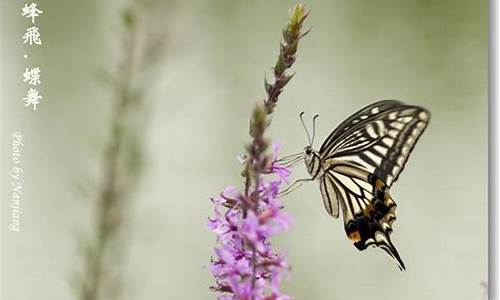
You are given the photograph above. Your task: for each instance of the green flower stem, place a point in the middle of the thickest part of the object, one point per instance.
(258, 160)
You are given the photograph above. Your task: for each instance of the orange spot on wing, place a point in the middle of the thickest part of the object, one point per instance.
(379, 184)
(369, 210)
(354, 236)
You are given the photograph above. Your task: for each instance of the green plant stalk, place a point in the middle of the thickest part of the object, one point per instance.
(109, 207)
(258, 159)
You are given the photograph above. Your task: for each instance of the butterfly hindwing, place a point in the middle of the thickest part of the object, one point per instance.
(367, 207)
(330, 196)
(362, 158)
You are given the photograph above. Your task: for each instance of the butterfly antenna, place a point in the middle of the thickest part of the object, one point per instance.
(314, 128)
(301, 116)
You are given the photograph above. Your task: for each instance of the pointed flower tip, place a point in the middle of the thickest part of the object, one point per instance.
(298, 13)
(297, 16)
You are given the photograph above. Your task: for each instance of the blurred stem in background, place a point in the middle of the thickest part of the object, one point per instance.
(110, 205)
(140, 45)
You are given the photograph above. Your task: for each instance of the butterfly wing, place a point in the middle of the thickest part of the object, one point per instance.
(367, 207)
(380, 137)
(363, 114)
(362, 158)
(329, 195)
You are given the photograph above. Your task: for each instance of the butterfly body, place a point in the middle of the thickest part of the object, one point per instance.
(358, 163)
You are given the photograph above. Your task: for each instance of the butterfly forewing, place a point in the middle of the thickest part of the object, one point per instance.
(361, 159)
(380, 143)
(356, 118)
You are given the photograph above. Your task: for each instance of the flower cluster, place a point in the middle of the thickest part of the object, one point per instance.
(245, 266)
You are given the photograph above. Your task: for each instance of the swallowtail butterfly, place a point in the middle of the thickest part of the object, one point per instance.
(357, 165)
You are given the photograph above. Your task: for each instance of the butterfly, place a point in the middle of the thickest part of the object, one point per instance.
(357, 165)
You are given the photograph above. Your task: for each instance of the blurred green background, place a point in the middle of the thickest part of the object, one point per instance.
(428, 53)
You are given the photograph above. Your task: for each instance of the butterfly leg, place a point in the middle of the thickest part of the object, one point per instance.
(291, 160)
(295, 185)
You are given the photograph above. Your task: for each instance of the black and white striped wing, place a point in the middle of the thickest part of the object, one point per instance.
(378, 138)
(330, 195)
(361, 115)
(367, 207)
(362, 160)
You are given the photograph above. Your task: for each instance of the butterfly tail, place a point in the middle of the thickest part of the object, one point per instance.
(389, 248)
(381, 240)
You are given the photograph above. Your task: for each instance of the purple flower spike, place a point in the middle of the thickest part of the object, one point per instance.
(245, 266)
(282, 172)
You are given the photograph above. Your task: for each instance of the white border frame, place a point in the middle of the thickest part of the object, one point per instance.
(493, 114)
